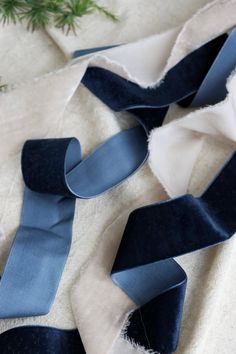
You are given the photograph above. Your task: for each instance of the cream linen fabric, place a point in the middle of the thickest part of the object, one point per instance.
(51, 106)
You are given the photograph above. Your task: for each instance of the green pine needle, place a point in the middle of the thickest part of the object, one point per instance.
(37, 15)
(106, 12)
(66, 21)
(10, 9)
(62, 14)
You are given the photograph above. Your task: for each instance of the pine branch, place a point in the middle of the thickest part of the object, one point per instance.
(62, 14)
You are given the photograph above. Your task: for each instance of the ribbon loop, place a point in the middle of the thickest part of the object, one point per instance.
(45, 163)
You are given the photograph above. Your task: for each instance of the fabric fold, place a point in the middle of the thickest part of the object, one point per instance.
(188, 135)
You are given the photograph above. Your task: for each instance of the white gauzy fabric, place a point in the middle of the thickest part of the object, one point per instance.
(181, 142)
(52, 106)
(137, 19)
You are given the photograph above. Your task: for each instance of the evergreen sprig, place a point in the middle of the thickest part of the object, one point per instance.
(41, 13)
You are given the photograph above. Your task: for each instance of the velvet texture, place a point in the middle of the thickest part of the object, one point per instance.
(150, 105)
(40, 340)
(158, 232)
(44, 165)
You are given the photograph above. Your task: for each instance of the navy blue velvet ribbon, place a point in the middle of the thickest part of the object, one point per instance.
(55, 175)
(144, 267)
(150, 105)
(40, 340)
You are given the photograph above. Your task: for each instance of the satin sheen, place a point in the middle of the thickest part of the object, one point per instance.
(55, 175)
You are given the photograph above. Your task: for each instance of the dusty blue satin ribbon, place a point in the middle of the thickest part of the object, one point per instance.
(55, 175)
(213, 88)
(82, 52)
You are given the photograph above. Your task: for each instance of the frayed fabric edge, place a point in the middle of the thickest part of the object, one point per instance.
(128, 343)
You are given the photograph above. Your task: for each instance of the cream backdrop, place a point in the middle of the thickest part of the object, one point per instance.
(210, 309)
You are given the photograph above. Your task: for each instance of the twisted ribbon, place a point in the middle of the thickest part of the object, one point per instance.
(55, 175)
(150, 106)
(144, 267)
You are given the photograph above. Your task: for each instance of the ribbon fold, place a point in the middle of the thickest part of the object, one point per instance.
(144, 267)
